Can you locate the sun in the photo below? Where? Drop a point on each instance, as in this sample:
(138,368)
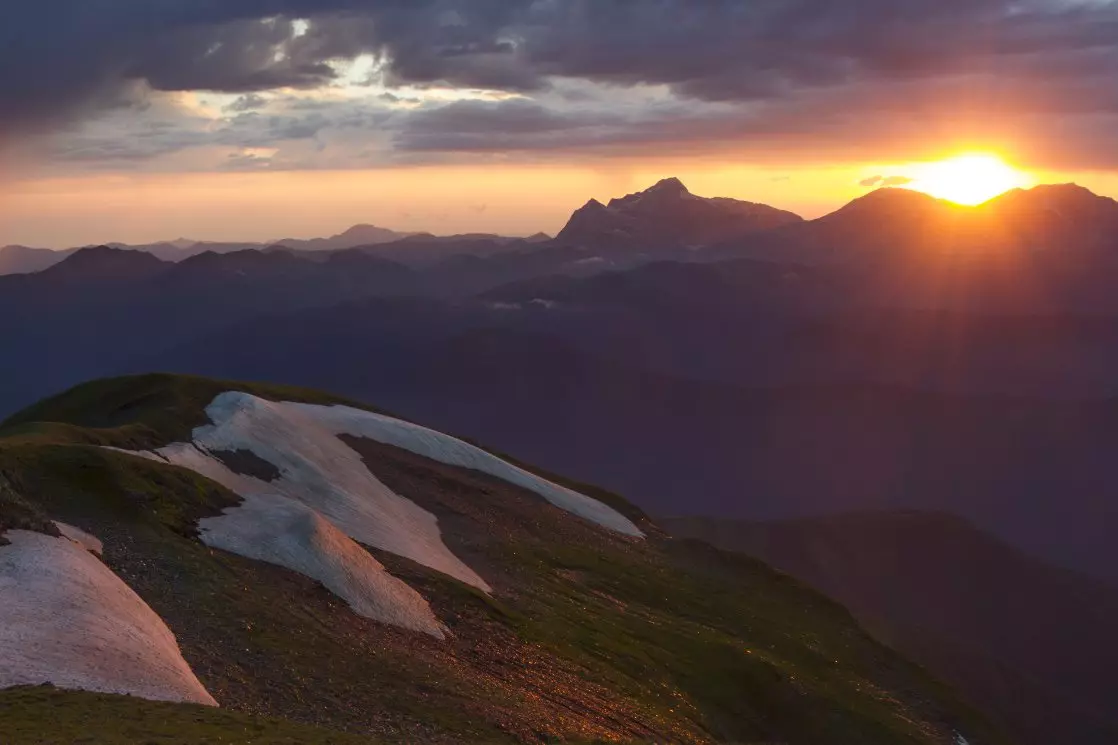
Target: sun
(970,179)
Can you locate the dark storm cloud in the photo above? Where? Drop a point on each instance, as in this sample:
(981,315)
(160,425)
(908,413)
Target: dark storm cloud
(58,58)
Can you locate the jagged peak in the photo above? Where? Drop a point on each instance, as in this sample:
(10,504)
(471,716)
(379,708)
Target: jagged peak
(670,187)
(671,184)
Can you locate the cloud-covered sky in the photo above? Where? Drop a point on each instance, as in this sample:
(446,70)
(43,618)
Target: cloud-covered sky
(218,86)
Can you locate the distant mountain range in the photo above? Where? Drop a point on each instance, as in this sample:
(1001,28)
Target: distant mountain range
(901,225)
(902,229)
(709,357)
(24,260)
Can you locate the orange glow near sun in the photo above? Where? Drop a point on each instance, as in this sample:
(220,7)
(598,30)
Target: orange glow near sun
(971,178)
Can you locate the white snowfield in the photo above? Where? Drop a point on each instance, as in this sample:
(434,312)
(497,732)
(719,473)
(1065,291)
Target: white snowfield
(285,532)
(68,620)
(319,471)
(325,495)
(344,420)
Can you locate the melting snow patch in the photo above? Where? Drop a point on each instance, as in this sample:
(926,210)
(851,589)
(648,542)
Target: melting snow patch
(282,521)
(66,619)
(282,531)
(452,451)
(80,537)
(504,306)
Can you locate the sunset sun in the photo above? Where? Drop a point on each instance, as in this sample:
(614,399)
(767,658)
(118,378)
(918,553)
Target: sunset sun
(968,179)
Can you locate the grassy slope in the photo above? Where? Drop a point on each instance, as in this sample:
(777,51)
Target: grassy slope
(589,635)
(16,513)
(45,716)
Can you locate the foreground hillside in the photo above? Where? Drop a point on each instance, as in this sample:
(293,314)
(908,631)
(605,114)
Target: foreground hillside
(318,582)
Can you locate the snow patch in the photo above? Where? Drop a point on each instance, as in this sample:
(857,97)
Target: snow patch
(80,537)
(66,619)
(319,471)
(504,306)
(282,531)
(452,451)
(322,480)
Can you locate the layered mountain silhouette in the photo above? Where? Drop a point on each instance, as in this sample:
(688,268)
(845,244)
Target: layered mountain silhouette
(203,558)
(666,221)
(1023,639)
(667,213)
(358,235)
(704,357)
(896,224)
(23,260)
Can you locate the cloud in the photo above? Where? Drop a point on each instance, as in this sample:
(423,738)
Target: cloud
(247,102)
(873,181)
(729,71)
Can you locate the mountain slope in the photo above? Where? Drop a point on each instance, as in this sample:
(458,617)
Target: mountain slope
(1024,639)
(24,260)
(585,633)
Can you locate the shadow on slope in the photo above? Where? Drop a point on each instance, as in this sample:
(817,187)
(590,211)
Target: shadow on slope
(1025,640)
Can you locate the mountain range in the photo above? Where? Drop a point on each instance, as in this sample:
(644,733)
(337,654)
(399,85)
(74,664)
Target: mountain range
(713,358)
(25,260)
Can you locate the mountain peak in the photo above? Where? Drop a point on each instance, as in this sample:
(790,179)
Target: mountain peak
(1070,203)
(668,215)
(93,256)
(1059,194)
(101,263)
(672,184)
(890,199)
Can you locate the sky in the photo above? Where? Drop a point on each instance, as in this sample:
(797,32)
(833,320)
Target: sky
(138,120)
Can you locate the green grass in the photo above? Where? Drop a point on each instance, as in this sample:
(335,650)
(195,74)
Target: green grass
(90,479)
(141,412)
(745,653)
(16,513)
(46,716)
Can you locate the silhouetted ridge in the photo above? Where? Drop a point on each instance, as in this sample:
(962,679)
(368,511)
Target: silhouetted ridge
(105,263)
(668,214)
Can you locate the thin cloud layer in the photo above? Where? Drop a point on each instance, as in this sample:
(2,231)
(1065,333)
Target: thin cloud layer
(781,74)
(883,181)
